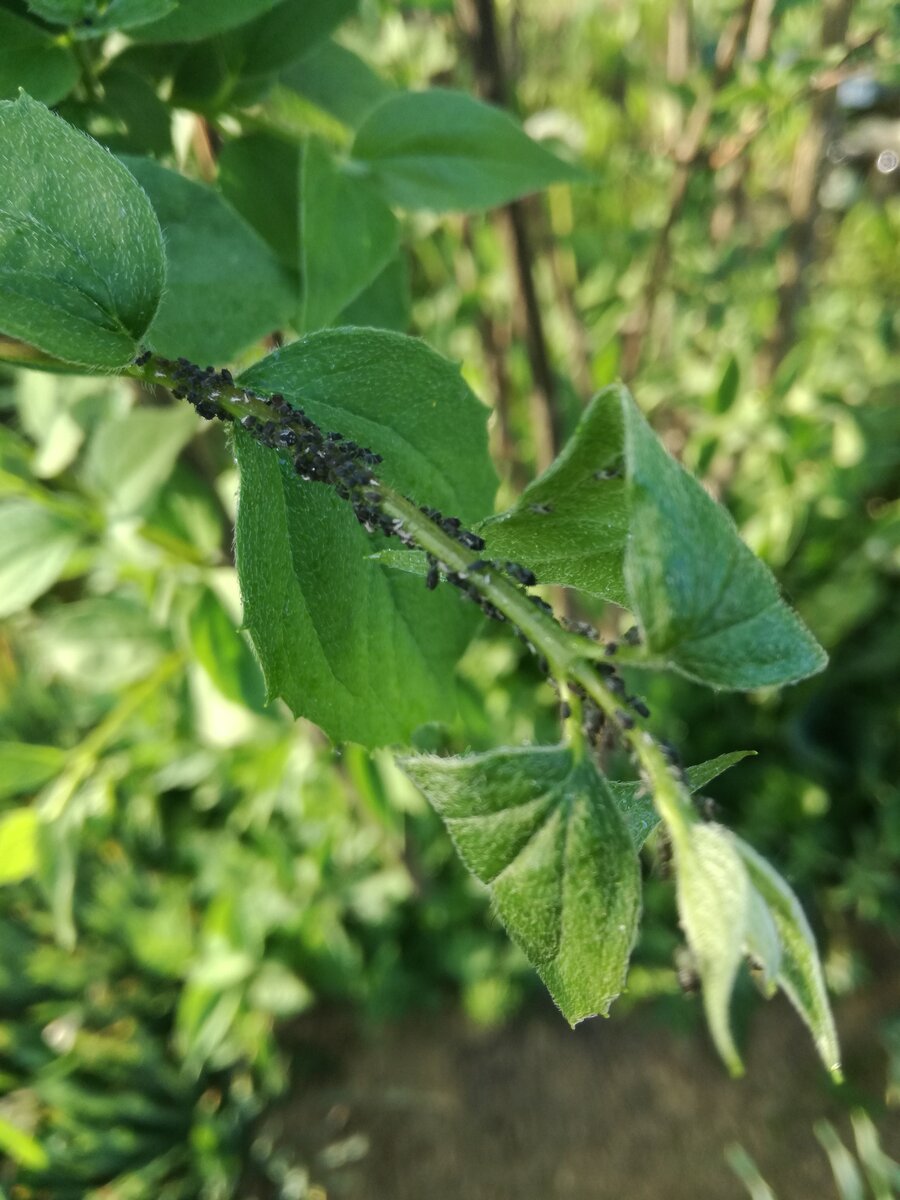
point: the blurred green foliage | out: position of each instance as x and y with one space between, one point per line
213 868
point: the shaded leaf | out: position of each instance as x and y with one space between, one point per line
542 830
800 973
31 59
443 150
81 255
260 175
224 288
348 236
201 19
707 605
93 19
223 653
338 81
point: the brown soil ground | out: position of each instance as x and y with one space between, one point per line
434 1109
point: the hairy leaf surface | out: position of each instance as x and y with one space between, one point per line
569 525
363 652
81 255
542 830
443 151
636 804
707 605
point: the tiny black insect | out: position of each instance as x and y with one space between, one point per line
521 574
633 636
624 719
470 540
639 706
142 358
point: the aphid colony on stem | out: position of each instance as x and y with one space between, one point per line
330 458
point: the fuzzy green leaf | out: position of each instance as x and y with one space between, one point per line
636 804
569 526
35 545
800 972
260 175
444 151
348 235
714 906
542 830
31 59
366 654
707 605
224 287
81 254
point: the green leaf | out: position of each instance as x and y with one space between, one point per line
714 905
260 175
131 456
31 59
442 150
800 973
288 31
385 303
196 19
35 545
707 605
223 653
224 289
18 845
24 766
348 236
93 19
143 120
337 81
569 526
364 653
542 830
81 254
636 804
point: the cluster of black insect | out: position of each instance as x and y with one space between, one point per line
482 567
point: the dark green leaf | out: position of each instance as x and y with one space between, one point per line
144 120
385 303
25 766
707 605
348 235
31 59
636 803
196 19
800 972
362 652
81 255
569 526
260 176
92 19
35 545
443 150
338 81
288 31
542 830
728 386
224 288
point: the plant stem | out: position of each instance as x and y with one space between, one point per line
569 656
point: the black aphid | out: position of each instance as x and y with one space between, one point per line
624 719
142 358
633 636
639 706
521 574
471 540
